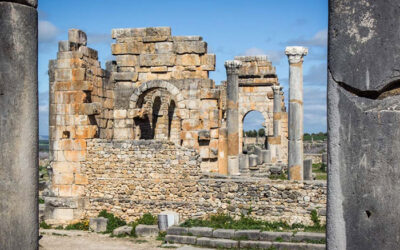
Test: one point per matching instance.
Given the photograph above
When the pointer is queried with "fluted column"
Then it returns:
(295, 55)
(232, 114)
(19, 227)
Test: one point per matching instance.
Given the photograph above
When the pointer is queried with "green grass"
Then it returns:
(82, 225)
(316, 137)
(281, 176)
(245, 222)
(319, 171)
(41, 201)
(44, 225)
(161, 236)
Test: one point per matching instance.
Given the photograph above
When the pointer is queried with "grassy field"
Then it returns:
(320, 171)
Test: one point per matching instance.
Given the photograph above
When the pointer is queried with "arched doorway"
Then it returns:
(254, 129)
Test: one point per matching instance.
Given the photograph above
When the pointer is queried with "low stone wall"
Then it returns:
(316, 158)
(244, 239)
(130, 178)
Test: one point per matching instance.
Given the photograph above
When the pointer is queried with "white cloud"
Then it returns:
(48, 32)
(320, 39)
(254, 52)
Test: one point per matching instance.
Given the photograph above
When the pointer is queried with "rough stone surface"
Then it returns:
(175, 230)
(147, 230)
(201, 231)
(124, 230)
(217, 243)
(98, 224)
(224, 233)
(362, 105)
(248, 234)
(18, 125)
(181, 239)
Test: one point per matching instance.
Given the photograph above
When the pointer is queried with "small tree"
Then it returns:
(261, 132)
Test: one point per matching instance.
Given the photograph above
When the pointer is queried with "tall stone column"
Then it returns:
(277, 109)
(363, 125)
(232, 114)
(18, 125)
(295, 55)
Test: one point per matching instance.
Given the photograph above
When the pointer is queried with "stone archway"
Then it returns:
(156, 107)
(266, 121)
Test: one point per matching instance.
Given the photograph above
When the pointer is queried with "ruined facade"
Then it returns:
(158, 88)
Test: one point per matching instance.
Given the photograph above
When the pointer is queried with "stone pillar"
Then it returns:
(277, 109)
(232, 113)
(295, 55)
(307, 170)
(363, 125)
(274, 142)
(19, 227)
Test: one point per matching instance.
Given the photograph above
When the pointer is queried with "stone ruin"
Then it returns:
(142, 134)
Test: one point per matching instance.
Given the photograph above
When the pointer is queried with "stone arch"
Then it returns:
(243, 114)
(158, 103)
(172, 89)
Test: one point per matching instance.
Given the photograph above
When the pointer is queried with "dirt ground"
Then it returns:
(76, 240)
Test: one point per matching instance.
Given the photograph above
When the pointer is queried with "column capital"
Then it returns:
(277, 89)
(295, 54)
(233, 66)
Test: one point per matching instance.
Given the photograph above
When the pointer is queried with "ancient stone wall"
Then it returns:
(80, 107)
(130, 178)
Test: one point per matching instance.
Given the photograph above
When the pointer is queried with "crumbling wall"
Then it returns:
(80, 104)
(153, 65)
(130, 178)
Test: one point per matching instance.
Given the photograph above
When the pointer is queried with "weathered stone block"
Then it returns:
(98, 225)
(201, 231)
(217, 243)
(248, 234)
(157, 59)
(208, 62)
(175, 230)
(77, 36)
(197, 47)
(147, 230)
(127, 60)
(224, 233)
(163, 47)
(124, 230)
(186, 38)
(181, 239)
(188, 60)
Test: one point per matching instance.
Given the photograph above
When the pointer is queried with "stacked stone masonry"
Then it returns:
(130, 178)
(157, 89)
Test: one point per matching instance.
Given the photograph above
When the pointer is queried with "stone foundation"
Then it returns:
(133, 177)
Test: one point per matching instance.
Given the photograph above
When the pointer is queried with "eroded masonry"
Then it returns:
(153, 132)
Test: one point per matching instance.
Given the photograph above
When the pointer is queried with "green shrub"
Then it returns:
(225, 221)
(44, 225)
(113, 221)
(82, 225)
(41, 201)
(161, 236)
(315, 219)
(147, 219)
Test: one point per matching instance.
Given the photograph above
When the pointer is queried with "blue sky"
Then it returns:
(230, 28)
